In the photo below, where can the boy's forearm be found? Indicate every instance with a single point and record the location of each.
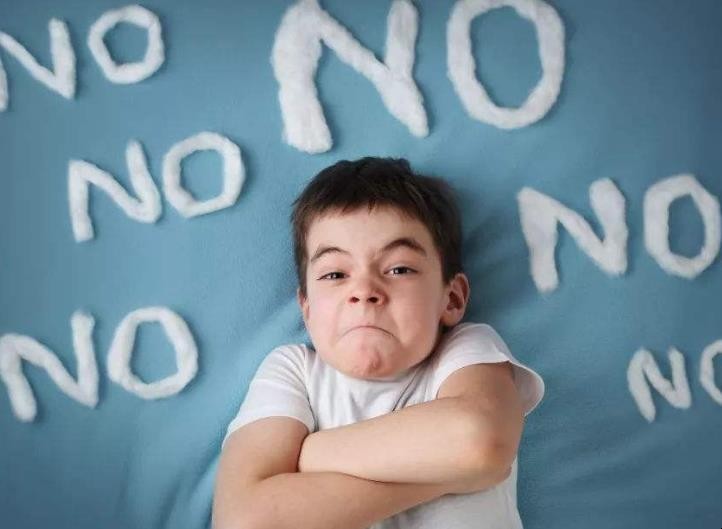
(431, 442)
(329, 500)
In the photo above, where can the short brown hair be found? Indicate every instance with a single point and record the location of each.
(370, 181)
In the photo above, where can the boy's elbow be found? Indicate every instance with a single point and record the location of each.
(236, 513)
(491, 459)
(494, 444)
(240, 520)
(495, 461)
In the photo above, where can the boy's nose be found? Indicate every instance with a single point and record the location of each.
(372, 298)
(367, 291)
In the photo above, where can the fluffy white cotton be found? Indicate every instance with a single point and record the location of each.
(644, 365)
(706, 371)
(295, 55)
(17, 348)
(134, 71)
(3, 88)
(14, 348)
(146, 208)
(540, 214)
(657, 200)
(461, 65)
(186, 353)
(60, 79)
(233, 174)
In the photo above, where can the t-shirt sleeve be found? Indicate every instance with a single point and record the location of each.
(278, 389)
(478, 343)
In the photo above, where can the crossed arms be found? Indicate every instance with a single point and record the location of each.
(358, 474)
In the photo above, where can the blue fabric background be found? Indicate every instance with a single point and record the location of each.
(640, 102)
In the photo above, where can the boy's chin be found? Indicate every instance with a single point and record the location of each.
(370, 365)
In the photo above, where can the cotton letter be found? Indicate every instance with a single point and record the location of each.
(233, 174)
(60, 79)
(297, 49)
(644, 365)
(550, 34)
(14, 348)
(657, 200)
(129, 72)
(186, 353)
(146, 208)
(540, 214)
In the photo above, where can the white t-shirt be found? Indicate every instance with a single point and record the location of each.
(293, 381)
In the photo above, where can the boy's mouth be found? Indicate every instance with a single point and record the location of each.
(358, 327)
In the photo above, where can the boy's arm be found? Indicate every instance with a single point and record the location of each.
(329, 500)
(432, 442)
(258, 485)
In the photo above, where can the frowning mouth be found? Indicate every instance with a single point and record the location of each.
(366, 328)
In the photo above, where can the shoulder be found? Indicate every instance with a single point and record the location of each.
(286, 359)
(476, 329)
(302, 361)
(471, 343)
(293, 352)
(470, 337)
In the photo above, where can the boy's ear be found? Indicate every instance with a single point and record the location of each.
(458, 298)
(302, 303)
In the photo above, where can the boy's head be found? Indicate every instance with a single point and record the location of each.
(374, 309)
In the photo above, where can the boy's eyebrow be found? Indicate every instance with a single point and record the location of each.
(406, 242)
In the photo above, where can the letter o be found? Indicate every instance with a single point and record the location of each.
(132, 72)
(186, 353)
(550, 33)
(656, 204)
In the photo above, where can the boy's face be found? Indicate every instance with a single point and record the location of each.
(397, 294)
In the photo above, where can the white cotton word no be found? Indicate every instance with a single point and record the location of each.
(146, 208)
(676, 393)
(61, 78)
(233, 174)
(657, 200)
(129, 72)
(295, 55)
(186, 353)
(14, 348)
(476, 101)
(540, 214)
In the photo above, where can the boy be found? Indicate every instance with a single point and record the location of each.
(399, 416)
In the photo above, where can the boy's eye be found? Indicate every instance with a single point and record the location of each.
(400, 268)
(330, 274)
(403, 270)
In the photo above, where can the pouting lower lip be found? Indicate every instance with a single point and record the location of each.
(367, 327)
